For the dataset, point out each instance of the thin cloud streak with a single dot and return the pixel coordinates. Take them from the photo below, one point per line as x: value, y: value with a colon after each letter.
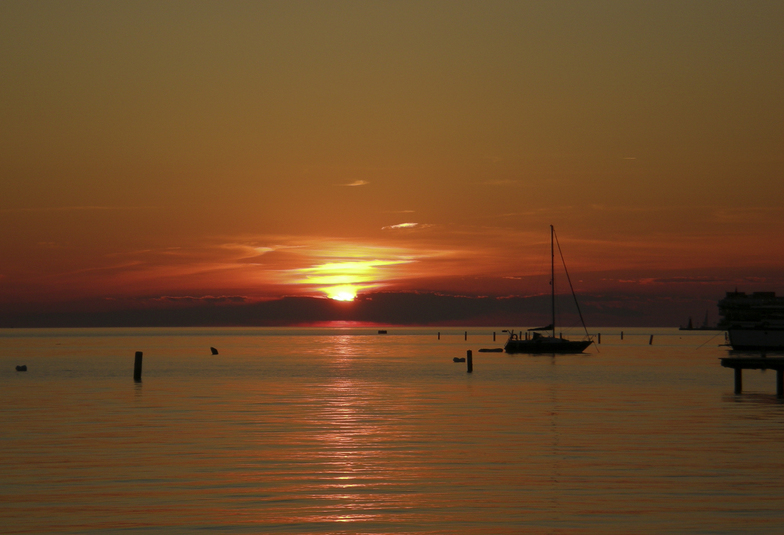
x: 355, y: 183
x: 401, y: 226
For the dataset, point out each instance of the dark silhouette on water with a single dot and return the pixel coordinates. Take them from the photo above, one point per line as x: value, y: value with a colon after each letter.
x: 537, y: 342
x: 753, y: 322
x: 214, y: 351
x: 703, y: 327
x: 756, y: 363
x: 22, y: 368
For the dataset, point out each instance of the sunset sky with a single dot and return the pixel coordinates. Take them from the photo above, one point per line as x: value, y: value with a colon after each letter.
x: 233, y: 152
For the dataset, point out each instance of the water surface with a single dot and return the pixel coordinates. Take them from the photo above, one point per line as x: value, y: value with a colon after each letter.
x: 347, y: 431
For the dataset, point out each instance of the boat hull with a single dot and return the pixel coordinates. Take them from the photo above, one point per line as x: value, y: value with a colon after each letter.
x: 756, y: 339
x: 546, y: 346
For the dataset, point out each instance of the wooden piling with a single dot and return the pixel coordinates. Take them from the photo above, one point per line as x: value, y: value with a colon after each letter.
x: 439, y: 335
x: 738, y: 364
x: 650, y: 342
x: 493, y: 336
x: 621, y: 335
x: 465, y: 335
x: 469, y: 362
x: 137, y: 367
x: 600, y: 338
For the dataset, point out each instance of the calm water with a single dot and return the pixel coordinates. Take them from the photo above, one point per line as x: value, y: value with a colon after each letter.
x: 347, y: 431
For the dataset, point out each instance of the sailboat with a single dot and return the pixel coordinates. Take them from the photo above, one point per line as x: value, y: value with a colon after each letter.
x: 533, y: 340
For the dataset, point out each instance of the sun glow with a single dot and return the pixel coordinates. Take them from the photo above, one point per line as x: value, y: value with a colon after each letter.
x: 342, y: 280
x: 341, y: 293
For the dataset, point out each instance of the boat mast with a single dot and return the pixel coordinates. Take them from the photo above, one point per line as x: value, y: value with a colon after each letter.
x: 552, y: 277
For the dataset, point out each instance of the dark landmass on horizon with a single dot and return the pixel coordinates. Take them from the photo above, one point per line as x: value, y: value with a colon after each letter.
x: 378, y: 308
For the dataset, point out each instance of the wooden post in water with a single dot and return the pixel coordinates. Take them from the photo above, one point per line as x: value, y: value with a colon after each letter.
x: 465, y: 336
x: 621, y: 335
x: 469, y: 362
x: 439, y: 335
x: 650, y: 342
x: 600, y: 338
x: 738, y: 380
x: 137, y: 367
x: 493, y: 336
x: 780, y: 383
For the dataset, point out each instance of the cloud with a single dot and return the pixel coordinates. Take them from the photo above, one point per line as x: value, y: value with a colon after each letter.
x: 355, y: 183
x: 401, y: 225
x: 215, y: 299
x: 676, y: 280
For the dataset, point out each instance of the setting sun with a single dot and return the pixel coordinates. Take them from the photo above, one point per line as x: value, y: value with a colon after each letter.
x: 341, y: 280
x: 341, y: 293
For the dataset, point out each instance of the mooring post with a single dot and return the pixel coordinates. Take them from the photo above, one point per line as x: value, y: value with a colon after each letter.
x: 738, y: 380
x: 779, y: 383
x: 600, y: 338
x: 493, y: 336
x: 465, y: 335
x: 469, y: 362
x: 137, y: 367
x: 650, y: 342
x: 439, y: 335
x: 621, y: 335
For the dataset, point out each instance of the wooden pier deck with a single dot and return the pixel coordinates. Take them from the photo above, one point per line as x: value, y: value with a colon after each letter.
x: 756, y: 363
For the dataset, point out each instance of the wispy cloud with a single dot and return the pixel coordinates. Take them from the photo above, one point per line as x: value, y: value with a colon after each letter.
x: 214, y: 299
x: 401, y: 226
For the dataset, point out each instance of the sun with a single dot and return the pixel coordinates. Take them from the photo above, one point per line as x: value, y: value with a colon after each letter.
x: 341, y: 293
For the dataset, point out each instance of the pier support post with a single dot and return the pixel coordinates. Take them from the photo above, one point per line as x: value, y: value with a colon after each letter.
x: 650, y: 342
x: 469, y: 362
x: 738, y: 380
x: 439, y: 335
x: 621, y: 335
x: 137, y: 367
x: 493, y: 336
x: 600, y: 338
x: 465, y: 336
x: 780, y: 383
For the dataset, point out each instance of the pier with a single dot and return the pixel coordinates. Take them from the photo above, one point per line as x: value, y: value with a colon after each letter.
x: 756, y: 363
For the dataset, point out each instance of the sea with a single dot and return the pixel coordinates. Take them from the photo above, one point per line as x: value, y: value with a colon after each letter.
x: 345, y: 430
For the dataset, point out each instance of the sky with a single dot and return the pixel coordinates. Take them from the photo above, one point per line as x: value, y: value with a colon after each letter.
x: 235, y: 152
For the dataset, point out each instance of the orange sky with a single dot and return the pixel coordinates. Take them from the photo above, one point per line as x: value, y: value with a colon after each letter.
x: 264, y: 149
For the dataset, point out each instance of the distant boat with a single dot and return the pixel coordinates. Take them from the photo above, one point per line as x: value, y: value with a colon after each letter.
x: 703, y: 327
x: 538, y: 342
